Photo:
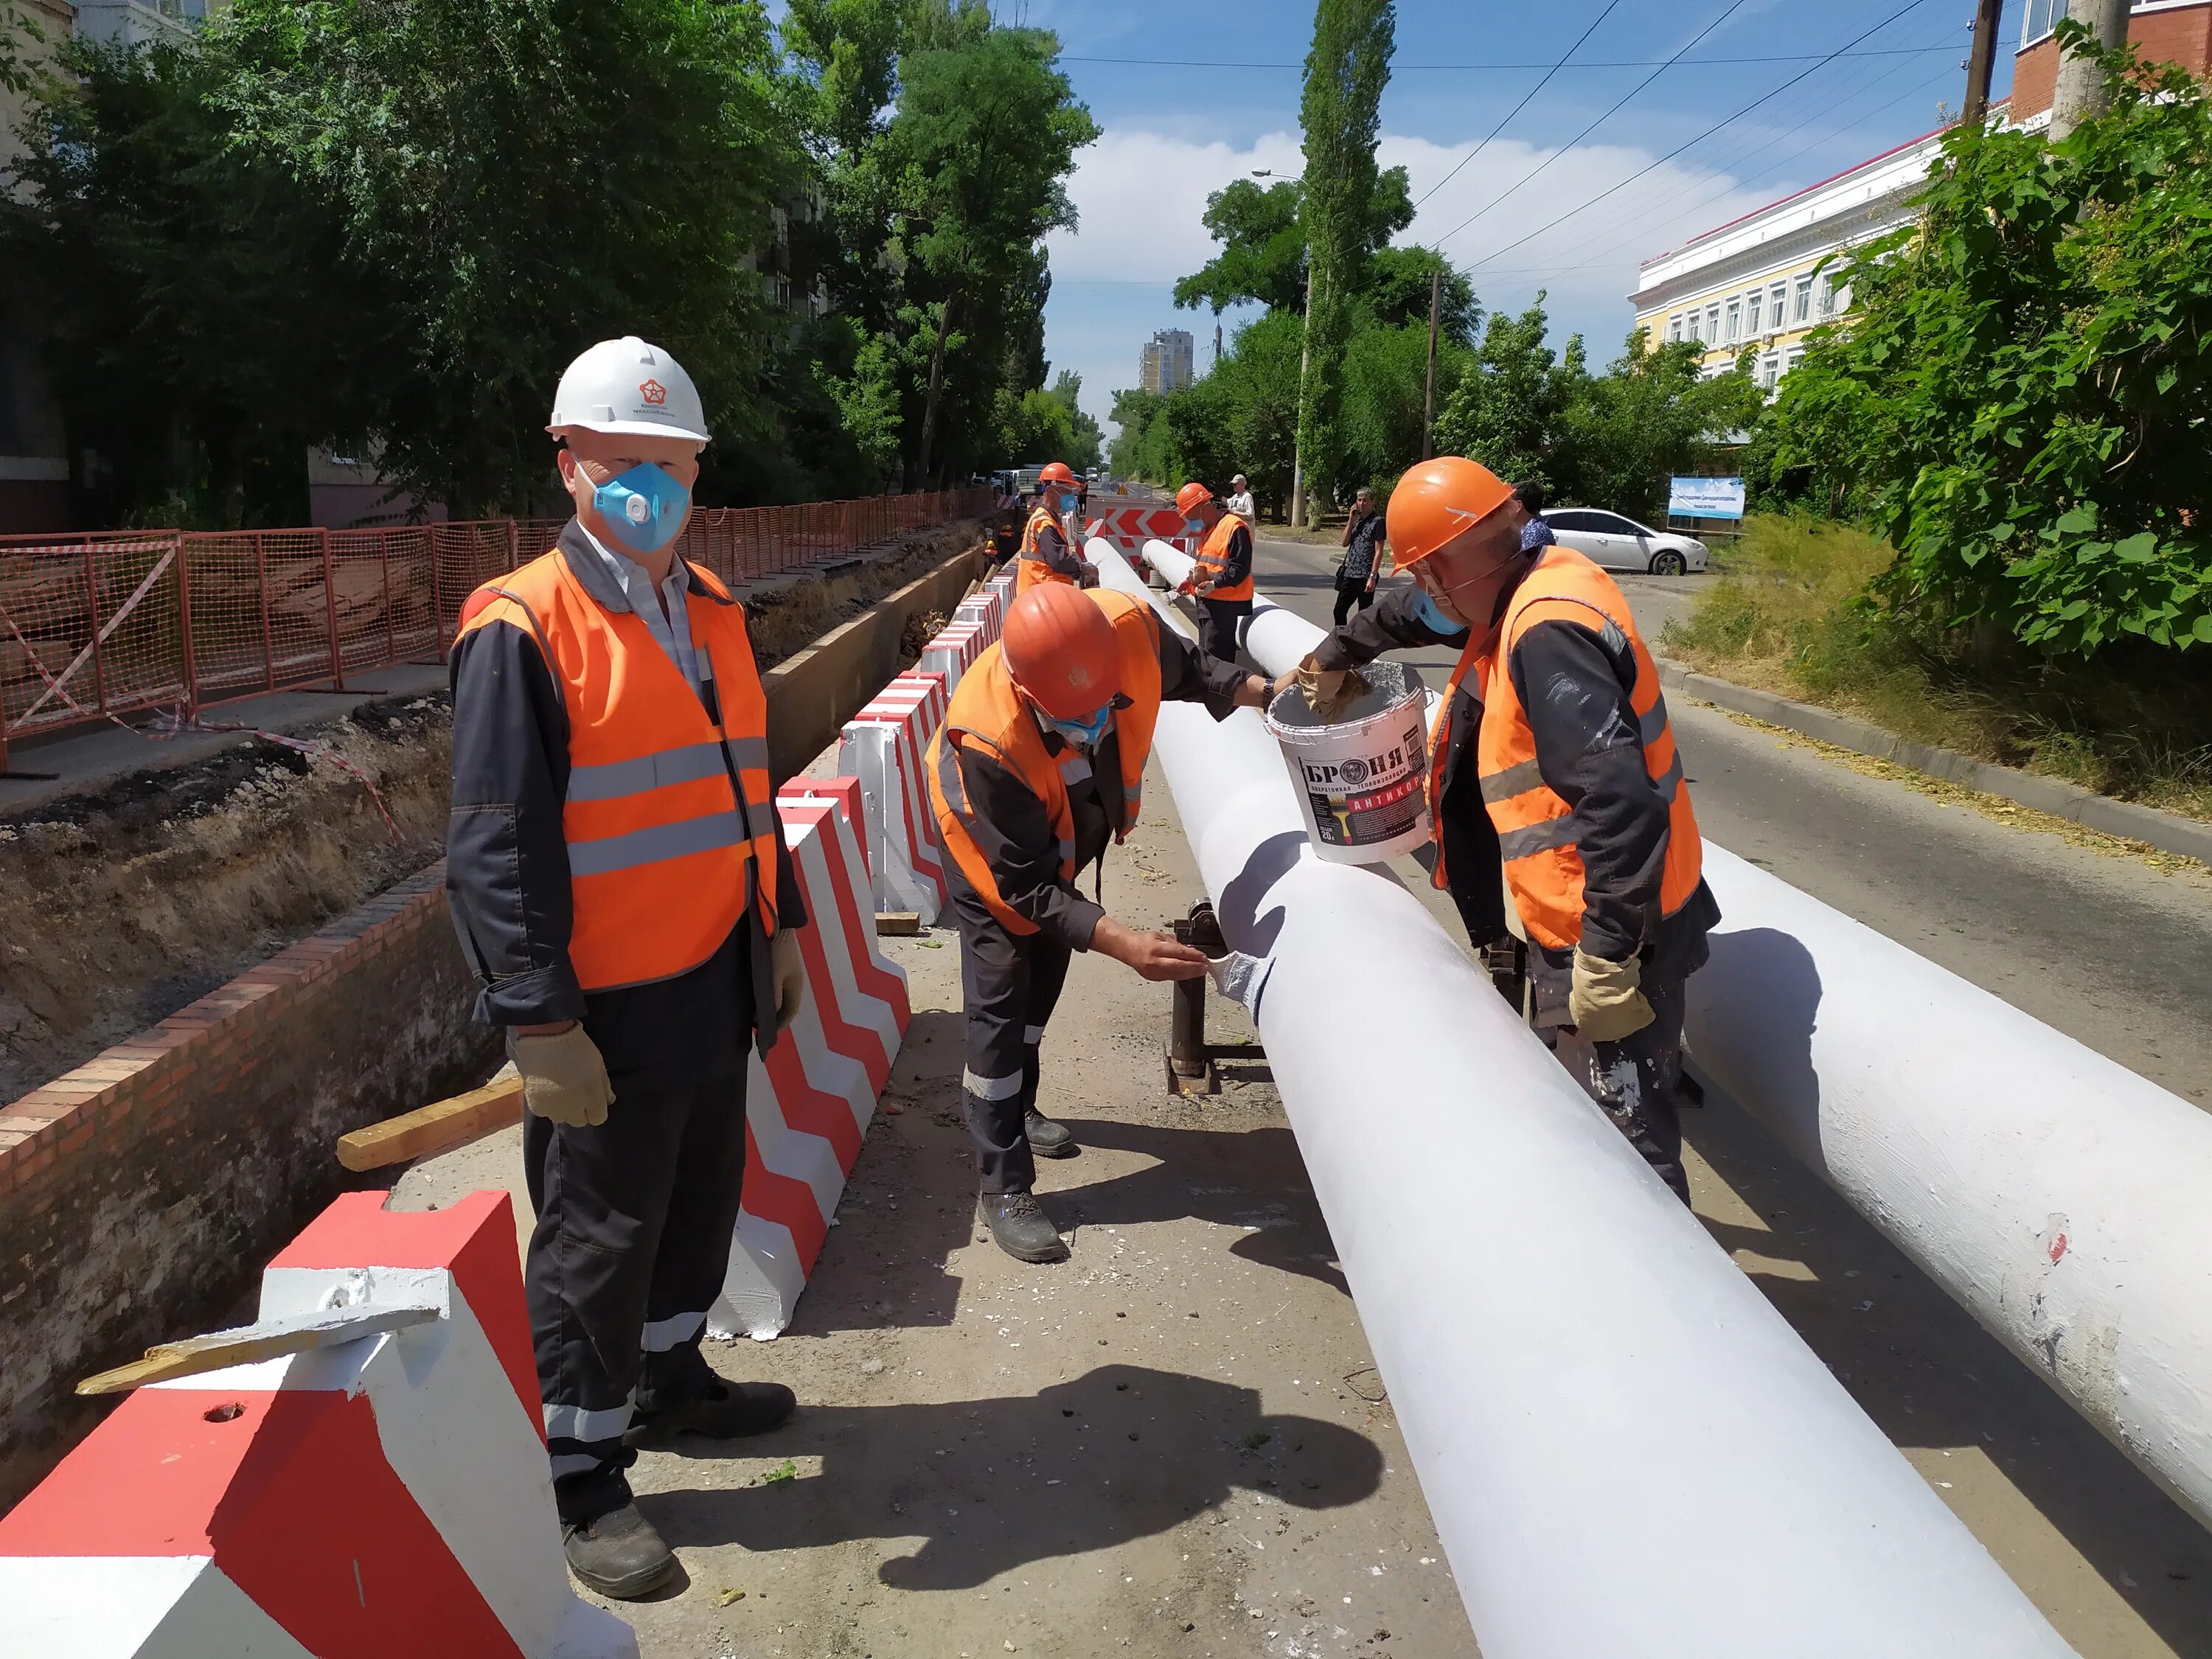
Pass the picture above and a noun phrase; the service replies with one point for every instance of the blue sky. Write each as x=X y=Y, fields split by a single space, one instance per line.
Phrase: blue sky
x=1180 y=120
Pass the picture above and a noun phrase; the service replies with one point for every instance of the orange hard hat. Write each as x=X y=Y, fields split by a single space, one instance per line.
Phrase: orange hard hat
x=1437 y=501
x=1056 y=473
x=1059 y=651
x=1191 y=497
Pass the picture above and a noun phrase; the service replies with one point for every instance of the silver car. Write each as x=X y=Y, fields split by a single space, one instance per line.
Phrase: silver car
x=1617 y=543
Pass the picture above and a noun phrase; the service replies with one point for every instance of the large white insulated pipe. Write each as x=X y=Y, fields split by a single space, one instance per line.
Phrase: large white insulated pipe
x=1627 y=1452
x=2054 y=1194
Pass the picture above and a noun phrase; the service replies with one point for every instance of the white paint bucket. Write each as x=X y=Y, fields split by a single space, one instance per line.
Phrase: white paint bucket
x=1360 y=780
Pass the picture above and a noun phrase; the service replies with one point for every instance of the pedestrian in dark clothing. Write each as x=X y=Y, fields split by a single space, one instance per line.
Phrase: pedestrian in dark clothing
x=1362 y=557
x=1537 y=532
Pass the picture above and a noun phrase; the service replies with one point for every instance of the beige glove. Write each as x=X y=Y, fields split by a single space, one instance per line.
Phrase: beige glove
x=1605 y=1001
x=564 y=1080
x=1329 y=692
x=789 y=970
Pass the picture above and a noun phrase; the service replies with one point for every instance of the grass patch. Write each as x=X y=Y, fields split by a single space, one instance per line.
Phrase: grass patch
x=1790 y=612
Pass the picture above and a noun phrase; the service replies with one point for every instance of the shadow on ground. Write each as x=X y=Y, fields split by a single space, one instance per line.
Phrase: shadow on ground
x=986 y=1485
x=1930 y=1377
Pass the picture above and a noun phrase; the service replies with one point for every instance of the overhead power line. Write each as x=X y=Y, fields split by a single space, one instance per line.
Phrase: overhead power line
x=1611 y=5
x=1734 y=7
x=1587 y=63
x=1611 y=189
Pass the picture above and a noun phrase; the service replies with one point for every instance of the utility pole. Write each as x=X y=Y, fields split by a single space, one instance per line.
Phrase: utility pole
x=1298 y=432
x=1428 y=392
x=2082 y=91
x=1981 y=61
x=1217 y=343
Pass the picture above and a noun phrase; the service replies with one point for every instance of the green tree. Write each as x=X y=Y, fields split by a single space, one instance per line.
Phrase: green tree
x=980 y=148
x=1346 y=68
x=2020 y=397
x=1263 y=250
x=1507 y=414
x=1140 y=445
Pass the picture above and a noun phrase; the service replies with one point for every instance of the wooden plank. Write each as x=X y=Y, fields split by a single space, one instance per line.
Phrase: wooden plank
x=436 y=1127
x=898 y=922
x=272 y=1338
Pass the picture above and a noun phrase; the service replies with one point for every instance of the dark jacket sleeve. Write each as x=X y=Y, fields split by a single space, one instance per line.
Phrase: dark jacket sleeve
x=507 y=864
x=1011 y=830
x=1391 y=623
x=1190 y=675
x=1053 y=548
x=1236 y=558
x=1575 y=686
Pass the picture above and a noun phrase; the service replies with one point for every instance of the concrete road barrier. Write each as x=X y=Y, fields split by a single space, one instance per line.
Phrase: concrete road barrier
x=1626 y=1449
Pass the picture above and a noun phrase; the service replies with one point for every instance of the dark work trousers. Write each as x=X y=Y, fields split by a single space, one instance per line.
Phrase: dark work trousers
x=1350 y=594
x=1221 y=625
x=1634 y=1081
x=635 y=1219
x=1009 y=984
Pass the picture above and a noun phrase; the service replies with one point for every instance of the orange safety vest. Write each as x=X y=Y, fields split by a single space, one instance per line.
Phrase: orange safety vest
x=663 y=857
x=1213 y=558
x=1032 y=569
x=988 y=712
x=1536 y=833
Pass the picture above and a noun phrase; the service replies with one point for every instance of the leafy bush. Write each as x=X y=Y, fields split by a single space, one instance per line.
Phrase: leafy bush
x=2019 y=400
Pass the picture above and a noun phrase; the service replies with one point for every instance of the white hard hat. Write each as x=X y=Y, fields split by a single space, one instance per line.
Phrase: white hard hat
x=628 y=386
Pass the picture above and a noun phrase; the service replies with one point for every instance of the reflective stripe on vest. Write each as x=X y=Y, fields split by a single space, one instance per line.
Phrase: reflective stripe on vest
x=1031 y=569
x=1536 y=825
x=1213 y=559
x=987 y=711
x=668 y=821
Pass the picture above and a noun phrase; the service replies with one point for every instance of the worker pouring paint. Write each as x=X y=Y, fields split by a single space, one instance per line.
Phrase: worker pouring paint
x=1552 y=752
x=1222 y=577
x=620 y=887
x=1041 y=761
x=1050 y=551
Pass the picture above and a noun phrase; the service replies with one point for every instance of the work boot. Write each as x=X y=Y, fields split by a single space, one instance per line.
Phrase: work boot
x=1022 y=1228
x=725 y=1411
x=618 y=1554
x=1046 y=1138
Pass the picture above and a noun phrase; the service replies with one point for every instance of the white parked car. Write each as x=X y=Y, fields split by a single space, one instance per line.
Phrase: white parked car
x=1617 y=543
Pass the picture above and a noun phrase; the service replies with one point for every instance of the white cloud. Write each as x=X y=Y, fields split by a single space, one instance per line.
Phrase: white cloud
x=1139 y=195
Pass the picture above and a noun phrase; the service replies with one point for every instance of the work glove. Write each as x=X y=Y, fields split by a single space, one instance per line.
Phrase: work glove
x=1605 y=1001
x=788 y=968
x=564 y=1080
x=1329 y=692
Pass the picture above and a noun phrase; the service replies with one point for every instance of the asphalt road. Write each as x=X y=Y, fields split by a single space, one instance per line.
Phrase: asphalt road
x=2103 y=947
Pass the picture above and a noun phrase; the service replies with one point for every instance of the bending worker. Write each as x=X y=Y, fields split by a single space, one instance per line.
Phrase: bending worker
x=1222 y=577
x=1552 y=752
x=1049 y=551
x=621 y=885
x=1041 y=759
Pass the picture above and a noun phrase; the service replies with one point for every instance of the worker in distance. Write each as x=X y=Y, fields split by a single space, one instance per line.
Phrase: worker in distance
x=1221 y=579
x=1039 y=764
x=619 y=880
x=1052 y=549
x=1551 y=754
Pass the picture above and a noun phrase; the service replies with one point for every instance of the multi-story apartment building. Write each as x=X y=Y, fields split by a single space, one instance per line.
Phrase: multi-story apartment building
x=1165 y=363
x=1756 y=283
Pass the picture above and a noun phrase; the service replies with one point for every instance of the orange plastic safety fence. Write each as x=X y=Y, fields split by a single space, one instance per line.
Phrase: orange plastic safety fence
x=104 y=624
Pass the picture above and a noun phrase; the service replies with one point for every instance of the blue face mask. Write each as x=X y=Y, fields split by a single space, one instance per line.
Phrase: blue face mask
x=1193 y=526
x=1063 y=503
x=1083 y=734
x=644 y=506
x=1431 y=614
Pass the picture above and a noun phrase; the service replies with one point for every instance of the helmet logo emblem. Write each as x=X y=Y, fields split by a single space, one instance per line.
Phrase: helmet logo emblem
x=653 y=392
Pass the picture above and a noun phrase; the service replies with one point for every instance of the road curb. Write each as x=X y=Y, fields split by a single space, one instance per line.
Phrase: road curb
x=2168 y=831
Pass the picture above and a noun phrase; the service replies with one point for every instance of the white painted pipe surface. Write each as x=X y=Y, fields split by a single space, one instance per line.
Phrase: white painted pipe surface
x=1627 y=1452
x=2056 y=1196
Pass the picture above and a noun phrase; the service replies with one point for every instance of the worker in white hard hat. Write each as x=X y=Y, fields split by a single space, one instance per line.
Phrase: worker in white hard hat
x=619 y=880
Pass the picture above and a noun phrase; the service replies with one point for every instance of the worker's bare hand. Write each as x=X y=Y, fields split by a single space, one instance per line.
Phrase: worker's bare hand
x=1156 y=956
x=1255 y=691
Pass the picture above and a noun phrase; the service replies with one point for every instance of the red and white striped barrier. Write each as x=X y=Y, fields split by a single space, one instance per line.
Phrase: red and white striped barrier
x=387 y=1493
x=885 y=746
x=809 y=1103
x=1128 y=528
